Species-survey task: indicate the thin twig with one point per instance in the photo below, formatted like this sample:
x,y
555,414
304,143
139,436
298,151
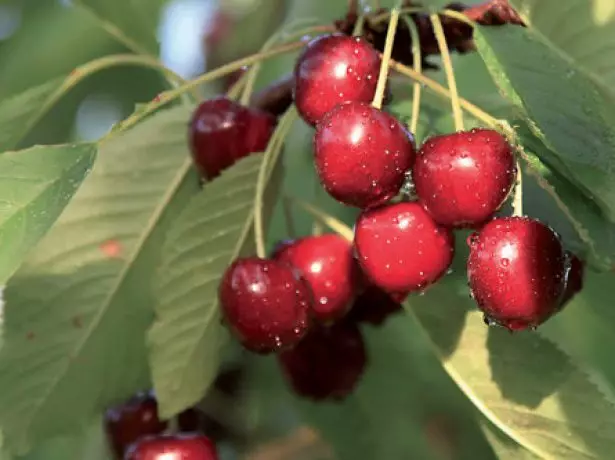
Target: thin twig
x,y
386,57
448,69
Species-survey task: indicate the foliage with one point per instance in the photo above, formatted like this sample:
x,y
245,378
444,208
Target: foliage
x,y
112,250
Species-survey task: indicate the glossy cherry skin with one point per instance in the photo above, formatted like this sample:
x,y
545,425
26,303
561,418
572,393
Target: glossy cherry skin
x,y
516,271
223,131
185,446
362,154
401,248
374,306
131,420
463,178
327,264
331,70
327,364
266,305
574,281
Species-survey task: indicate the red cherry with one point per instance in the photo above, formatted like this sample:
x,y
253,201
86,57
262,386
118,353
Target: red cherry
x,y
463,178
334,69
574,281
173,447
223,131
131,420
362,154
516,271
327,363
374,306
400,247
327,264
266,305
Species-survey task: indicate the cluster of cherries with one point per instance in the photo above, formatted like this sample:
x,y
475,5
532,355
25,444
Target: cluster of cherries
x,y
304,302
136,432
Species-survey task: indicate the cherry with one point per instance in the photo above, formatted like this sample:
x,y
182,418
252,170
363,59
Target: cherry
x,y
400,247
374,306
327,363
331,70
463,178
266,305
362,154
327,264
173,447
223,131
131,420
574,281
516,271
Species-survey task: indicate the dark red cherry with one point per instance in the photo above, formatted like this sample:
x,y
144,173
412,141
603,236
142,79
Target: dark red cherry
x,y
185,446
265,304
401,248
223,131
574,281
463,178
131,420
516,271
362,154
327,364
327,264
374,306
334,69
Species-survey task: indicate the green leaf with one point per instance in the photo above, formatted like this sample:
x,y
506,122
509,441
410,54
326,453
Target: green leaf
x,y
78,309
19,113
520,382
214,229
565,108
133,23
590,39
35,187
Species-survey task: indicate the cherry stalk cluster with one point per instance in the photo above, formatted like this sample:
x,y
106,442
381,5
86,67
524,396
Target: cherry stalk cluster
x,y
277,97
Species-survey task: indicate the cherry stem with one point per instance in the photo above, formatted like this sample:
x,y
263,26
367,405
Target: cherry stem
x,y
518,194
168,96
418,68
437,88
386,58
270,158
286,33
326,219
448,69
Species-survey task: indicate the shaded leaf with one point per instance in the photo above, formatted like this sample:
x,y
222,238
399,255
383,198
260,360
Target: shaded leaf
x,y
78,309
590,38
35,186
18,113
214,229
521,382
134,23
565,108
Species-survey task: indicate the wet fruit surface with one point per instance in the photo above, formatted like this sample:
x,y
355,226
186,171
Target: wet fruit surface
x,y
327,364
334,69
362,154
129,421
327,264
400,247
463,178
265,304
173,447
516,271
223,131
